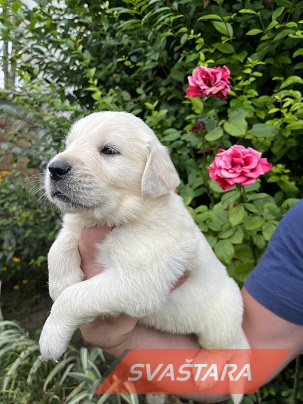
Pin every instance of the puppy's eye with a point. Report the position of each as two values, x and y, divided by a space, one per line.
109 151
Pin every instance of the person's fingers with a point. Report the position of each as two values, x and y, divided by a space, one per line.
90 237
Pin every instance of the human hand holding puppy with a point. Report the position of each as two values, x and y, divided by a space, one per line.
114 334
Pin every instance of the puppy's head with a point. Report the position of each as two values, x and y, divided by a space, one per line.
112 164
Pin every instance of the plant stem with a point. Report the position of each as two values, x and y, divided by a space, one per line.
215 109
264 29
244 194
203 148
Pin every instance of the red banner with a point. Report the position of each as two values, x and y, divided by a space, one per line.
191 371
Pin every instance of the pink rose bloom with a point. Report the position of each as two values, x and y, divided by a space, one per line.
209 82
237 165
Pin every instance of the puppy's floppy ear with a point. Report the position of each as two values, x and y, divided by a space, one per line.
160 175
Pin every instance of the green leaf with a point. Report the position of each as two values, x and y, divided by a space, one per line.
15 6
277 13
259 241
298 52
268 229
284 59
263 130
237 127
227 233
236 215
177 75
247 11
238 113
251 207
271 211
238 236
252 187
240 56
210 17
254 31
224 28
290 202
224 47
230 197
218 219
240 273
244 253
126 96
253 223
291 24
183 39
225 251
211 240
171 135
271 25
214 134
291 80
197 104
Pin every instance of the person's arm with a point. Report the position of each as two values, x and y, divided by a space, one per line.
264 329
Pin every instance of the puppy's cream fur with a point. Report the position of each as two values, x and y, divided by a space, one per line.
153 241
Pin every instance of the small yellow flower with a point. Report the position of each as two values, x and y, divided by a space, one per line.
10 248
4 269
16 259
24 281
16 287
3 173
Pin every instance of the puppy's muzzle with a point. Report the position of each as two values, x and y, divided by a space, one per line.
59 169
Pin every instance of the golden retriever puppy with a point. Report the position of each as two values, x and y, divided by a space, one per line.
115 172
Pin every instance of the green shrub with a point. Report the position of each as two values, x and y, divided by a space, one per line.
136 56
26 235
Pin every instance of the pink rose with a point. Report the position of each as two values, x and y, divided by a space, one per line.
237 165
209 82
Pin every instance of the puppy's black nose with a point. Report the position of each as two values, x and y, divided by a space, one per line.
58 169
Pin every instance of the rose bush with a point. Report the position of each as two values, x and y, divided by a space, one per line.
209 82
238 165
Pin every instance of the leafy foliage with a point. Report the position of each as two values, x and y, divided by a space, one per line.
135 56
25 236
25 377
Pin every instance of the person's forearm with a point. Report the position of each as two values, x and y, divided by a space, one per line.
149 338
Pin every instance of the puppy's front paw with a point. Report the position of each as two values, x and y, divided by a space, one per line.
54 340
